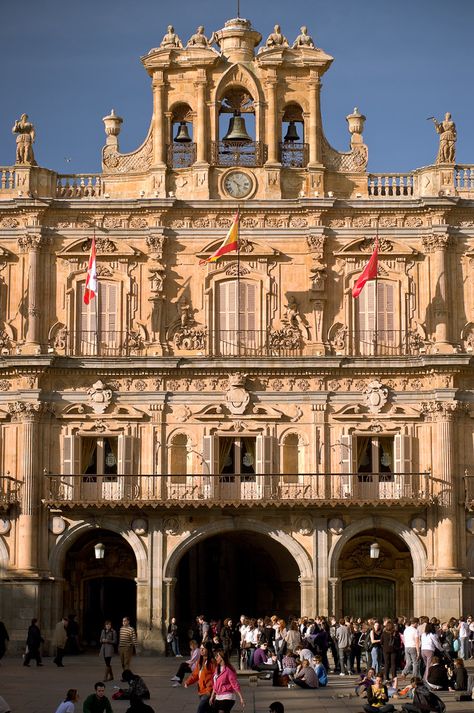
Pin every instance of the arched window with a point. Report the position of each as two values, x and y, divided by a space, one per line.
236 145
294 151
181 146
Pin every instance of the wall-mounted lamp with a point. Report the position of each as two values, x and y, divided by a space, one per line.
99 551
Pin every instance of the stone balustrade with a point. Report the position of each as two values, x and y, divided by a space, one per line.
385 185
464 178
79 185
7 178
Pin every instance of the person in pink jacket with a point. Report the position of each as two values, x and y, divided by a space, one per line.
226 685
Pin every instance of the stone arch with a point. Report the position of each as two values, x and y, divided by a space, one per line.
4 558
63 543
417 551
239 75
218 527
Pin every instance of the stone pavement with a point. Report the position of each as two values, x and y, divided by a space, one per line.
39 690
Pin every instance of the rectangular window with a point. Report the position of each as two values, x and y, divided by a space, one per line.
236 321
376 332
98 324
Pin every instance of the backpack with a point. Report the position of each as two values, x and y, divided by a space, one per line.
368 646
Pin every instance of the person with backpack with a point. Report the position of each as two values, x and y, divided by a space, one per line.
424 700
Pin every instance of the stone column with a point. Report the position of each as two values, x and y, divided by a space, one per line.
437 245
200 137
333 582
158 115
31 243
170 583
313 135
29 466
272 133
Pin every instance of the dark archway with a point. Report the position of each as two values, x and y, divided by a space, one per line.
235 573
99 589
376 587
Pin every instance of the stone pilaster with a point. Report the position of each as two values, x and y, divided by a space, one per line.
272 133
158 114
31 244
437 245
200 137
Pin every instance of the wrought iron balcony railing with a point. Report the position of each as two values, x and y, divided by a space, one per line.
209 490
102 343
234 153
294 154
10 490
181 155
380 342
254 342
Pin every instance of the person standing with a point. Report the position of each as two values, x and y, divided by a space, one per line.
33 644
59 641
67 706
3 639
226 685
97 702
203 674
108 641
343 640
411 640
127 642
172 637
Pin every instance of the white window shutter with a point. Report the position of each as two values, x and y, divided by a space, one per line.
125 455
403 453
264 454
347 447
71 455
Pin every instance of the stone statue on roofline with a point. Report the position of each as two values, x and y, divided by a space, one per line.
276 39
171 39
304 40
447 139
199 39
24 141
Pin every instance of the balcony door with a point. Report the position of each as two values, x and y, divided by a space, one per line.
98 323
237 319
237 467
377 332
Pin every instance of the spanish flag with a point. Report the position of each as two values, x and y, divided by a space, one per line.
369 272
230 243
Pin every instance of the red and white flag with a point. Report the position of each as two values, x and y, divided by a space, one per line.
91 281
369 272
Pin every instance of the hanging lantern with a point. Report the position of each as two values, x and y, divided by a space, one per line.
237 131
182 135
374 551
99 551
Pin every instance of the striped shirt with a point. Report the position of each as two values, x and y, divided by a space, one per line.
127 637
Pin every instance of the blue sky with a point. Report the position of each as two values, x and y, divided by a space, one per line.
67 64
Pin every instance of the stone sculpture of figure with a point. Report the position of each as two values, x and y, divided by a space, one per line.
184 309
292 312
24 141
303 40
156 278
199 39
447 139
171 39
276 39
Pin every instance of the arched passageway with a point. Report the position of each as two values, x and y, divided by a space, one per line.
234 573
99 589
376 587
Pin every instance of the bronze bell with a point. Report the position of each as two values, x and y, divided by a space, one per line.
291 133
182 136
237 131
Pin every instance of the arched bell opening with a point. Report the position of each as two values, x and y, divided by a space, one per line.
294 151
237 144
375 571
181 146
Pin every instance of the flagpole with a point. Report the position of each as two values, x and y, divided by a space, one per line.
376 289
238 282
96 308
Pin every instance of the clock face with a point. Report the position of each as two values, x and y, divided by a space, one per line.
238 184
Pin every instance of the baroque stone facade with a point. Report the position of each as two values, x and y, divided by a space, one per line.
193 418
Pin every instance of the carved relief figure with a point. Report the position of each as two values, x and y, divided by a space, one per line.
318 277
199 39
24 141
184 312
157 278
276 39
304 40
447 139
293 316
171 39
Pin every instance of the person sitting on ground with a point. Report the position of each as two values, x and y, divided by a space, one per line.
97 702
136 686
288 663
319 670
437 677
269 662
304 653
137 705
188 665
377 697
276 707
67 705
365 682
424 700
305 676
458 680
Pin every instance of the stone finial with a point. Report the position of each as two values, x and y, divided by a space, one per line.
355 124
304 40
171 39
112 124
24 141
276 39
447 139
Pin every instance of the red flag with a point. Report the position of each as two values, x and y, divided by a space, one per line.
369 272
91 281
230 243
